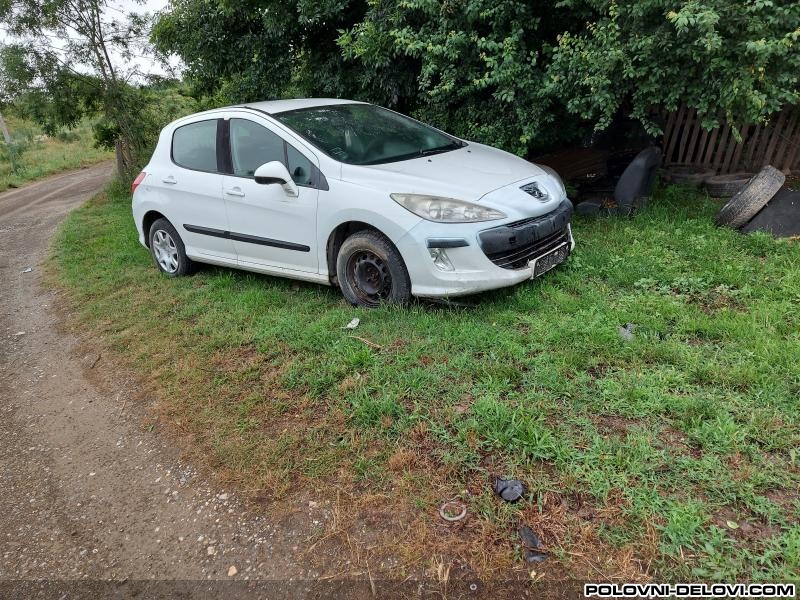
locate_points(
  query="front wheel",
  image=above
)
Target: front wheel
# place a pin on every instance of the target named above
(167, 249)
(371, 271)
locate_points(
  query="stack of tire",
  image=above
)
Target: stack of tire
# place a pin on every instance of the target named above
(748, 194)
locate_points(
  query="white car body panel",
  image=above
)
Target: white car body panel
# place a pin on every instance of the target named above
(229, 204)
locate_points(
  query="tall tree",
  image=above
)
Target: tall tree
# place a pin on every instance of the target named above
(68, 57)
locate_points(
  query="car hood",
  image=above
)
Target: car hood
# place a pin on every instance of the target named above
(468, 173)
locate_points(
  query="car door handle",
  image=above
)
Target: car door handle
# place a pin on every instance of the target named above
(235, 192)
(170, 180)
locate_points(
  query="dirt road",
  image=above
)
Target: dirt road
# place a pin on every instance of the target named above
(86, 491)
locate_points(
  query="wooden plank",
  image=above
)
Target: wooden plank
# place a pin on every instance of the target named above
(735, 166)
(766, 136)
(776, 134)
(719, 153)
(788, 136)
(690, 117)
(701, 147)
(690, 150)
(794, 153)
(751, 147)
(668, 131)
(732, 145)
(710, 148)
(676, 126)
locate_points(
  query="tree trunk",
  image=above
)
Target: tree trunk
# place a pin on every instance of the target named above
(6, 135)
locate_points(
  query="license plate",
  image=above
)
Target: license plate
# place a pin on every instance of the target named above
(550, 260)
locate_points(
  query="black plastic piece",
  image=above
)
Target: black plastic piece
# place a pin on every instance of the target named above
(523, 233)
(509, 490)
(636, 181)
(270, 180)
(244, 237)
(780, 217)
(447, 243)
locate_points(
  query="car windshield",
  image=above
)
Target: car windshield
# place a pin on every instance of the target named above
(363, 134)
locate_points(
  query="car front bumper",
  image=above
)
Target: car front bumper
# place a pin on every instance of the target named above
(483, 256)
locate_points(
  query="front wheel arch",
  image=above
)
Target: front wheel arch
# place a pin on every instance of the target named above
(337, 237)
(371, 271)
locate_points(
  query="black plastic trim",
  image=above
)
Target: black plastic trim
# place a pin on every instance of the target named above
(447, 243)
(249, 239)
(524, 233)
(207, 231)
(270, 180)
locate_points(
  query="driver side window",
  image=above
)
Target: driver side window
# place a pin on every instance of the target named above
(253, 145)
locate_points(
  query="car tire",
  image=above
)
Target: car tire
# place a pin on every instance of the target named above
(688, 176)
(746, 203)
(371, 271)
(167, 249)
(725, 186)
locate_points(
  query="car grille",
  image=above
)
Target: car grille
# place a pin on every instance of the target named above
(519, 257)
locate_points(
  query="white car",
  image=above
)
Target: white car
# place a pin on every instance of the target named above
(350, 194)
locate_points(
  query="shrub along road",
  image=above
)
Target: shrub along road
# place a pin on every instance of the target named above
(87, 490)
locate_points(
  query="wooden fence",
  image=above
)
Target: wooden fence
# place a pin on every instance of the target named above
(686, 143)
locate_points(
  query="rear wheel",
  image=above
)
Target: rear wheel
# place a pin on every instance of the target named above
(371, 271)
(167, 249)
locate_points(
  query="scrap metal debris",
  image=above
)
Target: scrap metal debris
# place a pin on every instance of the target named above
(509, 490)
(453, 511)
(352, 324)
(626, 331)
(531, 544)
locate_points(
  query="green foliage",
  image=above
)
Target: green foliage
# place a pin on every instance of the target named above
(739, 60)
(512, 73)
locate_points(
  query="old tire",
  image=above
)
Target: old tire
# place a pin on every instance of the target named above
(371, 271)
(688, 176)
(725, 186)
(746, 203)
(167, 249)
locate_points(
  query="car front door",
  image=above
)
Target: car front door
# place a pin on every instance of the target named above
(269, 227)
(192, 185)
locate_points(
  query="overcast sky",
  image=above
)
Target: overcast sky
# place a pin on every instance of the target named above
(117, 8)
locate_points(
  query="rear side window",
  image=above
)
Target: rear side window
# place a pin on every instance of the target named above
(194, 146)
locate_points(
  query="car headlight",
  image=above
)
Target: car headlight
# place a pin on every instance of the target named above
(556, 177)
(446, 210)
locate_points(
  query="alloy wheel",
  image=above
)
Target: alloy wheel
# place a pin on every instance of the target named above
(165, 250)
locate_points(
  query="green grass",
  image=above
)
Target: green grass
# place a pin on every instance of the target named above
(41, 155)
(673, 455)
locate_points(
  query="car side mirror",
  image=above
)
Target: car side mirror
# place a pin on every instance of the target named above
(274, 172)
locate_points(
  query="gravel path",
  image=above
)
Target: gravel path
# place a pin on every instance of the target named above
(87, 492)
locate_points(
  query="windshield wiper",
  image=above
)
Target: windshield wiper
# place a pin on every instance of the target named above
(440, 149)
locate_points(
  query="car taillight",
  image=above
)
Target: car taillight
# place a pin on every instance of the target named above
(139, 179)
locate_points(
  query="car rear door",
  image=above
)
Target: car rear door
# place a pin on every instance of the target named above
(268, 227)
(192, 185)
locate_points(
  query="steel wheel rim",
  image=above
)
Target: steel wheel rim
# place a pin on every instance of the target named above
(165, 250)
(369, 276)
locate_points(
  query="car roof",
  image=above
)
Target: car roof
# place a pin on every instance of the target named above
(279, 106)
